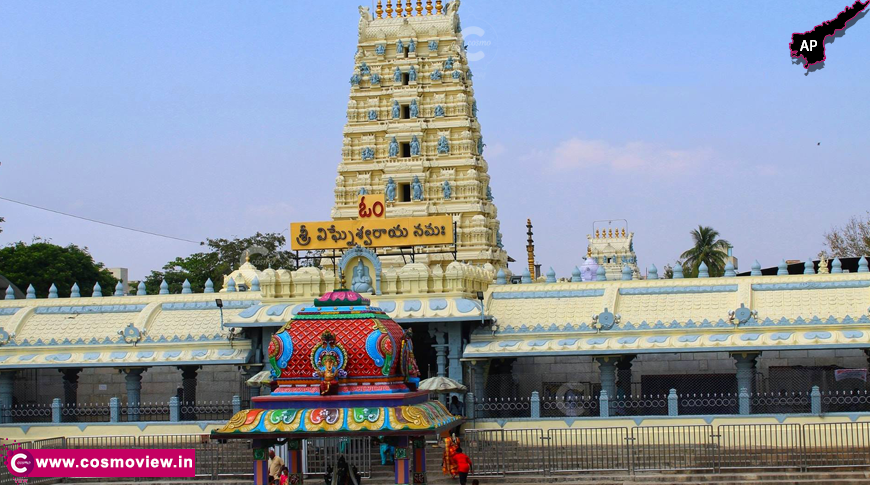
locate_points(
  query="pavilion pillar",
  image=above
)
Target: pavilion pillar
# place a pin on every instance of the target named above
(294, 461)
(188, 391)
(418, 461)
(402, 464)
(7, 391)
(261, 463)
(623, 376)
(70, 385)
(133, 380)
(745, 362)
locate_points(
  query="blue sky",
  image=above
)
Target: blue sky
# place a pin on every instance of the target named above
(211, 119)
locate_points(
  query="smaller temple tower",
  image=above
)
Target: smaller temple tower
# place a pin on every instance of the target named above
(613, 248)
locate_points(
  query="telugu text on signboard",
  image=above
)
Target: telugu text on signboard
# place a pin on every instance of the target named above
(372, 233)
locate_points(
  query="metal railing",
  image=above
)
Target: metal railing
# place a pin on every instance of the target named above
(27, 413)
(672, 404)
(116, 411)
(669, 448)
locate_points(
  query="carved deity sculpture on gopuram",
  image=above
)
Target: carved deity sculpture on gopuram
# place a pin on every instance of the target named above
(342, 368)
(426, 130)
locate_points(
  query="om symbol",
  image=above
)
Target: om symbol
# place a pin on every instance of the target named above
(377, 208)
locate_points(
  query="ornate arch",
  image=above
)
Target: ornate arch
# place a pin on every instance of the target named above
(367, 254)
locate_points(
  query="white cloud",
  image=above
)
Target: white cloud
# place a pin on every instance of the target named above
(580, 154)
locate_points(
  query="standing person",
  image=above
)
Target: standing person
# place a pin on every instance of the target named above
(285, 476)
(463, 465)
(275, 465)
(456, 407)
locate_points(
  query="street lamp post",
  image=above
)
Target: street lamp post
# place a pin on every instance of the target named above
(220, 305)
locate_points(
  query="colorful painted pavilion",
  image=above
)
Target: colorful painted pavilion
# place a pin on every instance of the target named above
(341, 368)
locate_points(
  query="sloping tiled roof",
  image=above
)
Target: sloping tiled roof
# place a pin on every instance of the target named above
(682, 315)
(121, 331)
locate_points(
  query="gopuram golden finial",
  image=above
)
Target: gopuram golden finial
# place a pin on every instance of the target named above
(589, 251)
(611, 232)
(390, 8)
(380, 10)
(623, 232)
(408, 8)
(247, 256)
(428, 7)
(530, 249)
(438, 7)
(419, 7)
(597, 234)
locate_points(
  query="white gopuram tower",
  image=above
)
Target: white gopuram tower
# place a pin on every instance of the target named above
(412, 131)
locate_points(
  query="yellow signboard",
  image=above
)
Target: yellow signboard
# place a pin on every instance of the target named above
(372, 233)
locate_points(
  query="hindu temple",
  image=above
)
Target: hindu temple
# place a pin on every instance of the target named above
(411, 281)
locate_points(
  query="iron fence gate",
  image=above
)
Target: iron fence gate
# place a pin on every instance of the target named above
(760, 446)
(587, 449)
(669, 448)
(483, 446)
(659, 448)
(323, 452)
(836, 445)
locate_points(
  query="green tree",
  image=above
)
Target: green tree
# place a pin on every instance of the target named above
(851, 240)
(224, 255)
(41, 263)
(708, 249)
(2, 220)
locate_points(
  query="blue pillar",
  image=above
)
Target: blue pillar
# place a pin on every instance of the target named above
(56, 410)
(134, 392)
(743, 404)
(673, 403)
(607, 368)
(604, 404)
(745, 362)
(816, 401)
(114, 410)
(454, 343)
(535, 405)
(174, 409)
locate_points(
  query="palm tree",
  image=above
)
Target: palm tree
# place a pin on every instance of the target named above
(708, 249)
